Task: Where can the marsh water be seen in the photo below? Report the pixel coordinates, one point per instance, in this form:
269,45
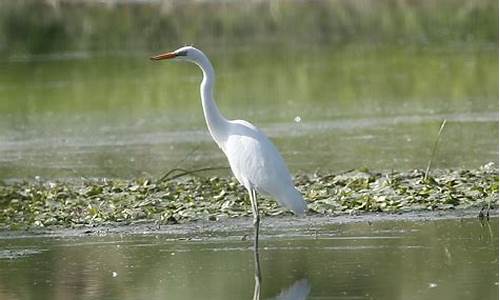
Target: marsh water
433,259
94,115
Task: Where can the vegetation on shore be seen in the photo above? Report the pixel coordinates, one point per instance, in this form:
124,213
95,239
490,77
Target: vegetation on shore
26,205
33,27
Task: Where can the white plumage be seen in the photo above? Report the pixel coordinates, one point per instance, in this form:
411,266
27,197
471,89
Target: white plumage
253,158
257,164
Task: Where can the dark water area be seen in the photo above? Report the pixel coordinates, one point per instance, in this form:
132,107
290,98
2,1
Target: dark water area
433,259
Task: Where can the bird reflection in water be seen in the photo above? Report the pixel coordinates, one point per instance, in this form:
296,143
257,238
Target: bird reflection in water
299,290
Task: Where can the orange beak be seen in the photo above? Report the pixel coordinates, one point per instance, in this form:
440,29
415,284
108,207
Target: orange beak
166,55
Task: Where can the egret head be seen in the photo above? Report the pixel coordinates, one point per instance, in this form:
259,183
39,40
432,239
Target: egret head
187,53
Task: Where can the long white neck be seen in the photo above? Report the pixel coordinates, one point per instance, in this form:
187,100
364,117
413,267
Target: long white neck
216,123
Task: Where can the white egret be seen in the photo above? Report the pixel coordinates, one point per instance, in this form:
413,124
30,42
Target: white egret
253,159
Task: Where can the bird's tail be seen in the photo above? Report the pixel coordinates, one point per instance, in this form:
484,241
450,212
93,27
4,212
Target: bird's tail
293,200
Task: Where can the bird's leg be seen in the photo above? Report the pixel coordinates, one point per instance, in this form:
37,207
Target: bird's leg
256,221
256,217
256,291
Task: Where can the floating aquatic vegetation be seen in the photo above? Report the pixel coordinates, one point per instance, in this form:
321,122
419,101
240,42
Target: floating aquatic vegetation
105,201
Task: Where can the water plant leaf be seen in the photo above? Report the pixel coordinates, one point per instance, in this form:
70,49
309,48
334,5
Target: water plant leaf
189,198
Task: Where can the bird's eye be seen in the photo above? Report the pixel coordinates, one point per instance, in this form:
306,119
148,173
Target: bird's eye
182,53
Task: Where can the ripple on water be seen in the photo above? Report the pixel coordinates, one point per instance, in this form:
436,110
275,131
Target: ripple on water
19,253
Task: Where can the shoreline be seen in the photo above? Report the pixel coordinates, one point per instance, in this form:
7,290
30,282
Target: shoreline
241,227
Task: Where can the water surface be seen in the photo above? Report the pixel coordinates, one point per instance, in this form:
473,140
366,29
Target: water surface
439,259
330,109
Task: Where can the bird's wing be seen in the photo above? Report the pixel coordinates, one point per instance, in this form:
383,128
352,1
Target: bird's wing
258,165
253,156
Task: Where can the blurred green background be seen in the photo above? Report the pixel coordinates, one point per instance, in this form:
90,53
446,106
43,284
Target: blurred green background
336,84
35,27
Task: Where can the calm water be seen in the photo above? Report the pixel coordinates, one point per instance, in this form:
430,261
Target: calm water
97,115
443,259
